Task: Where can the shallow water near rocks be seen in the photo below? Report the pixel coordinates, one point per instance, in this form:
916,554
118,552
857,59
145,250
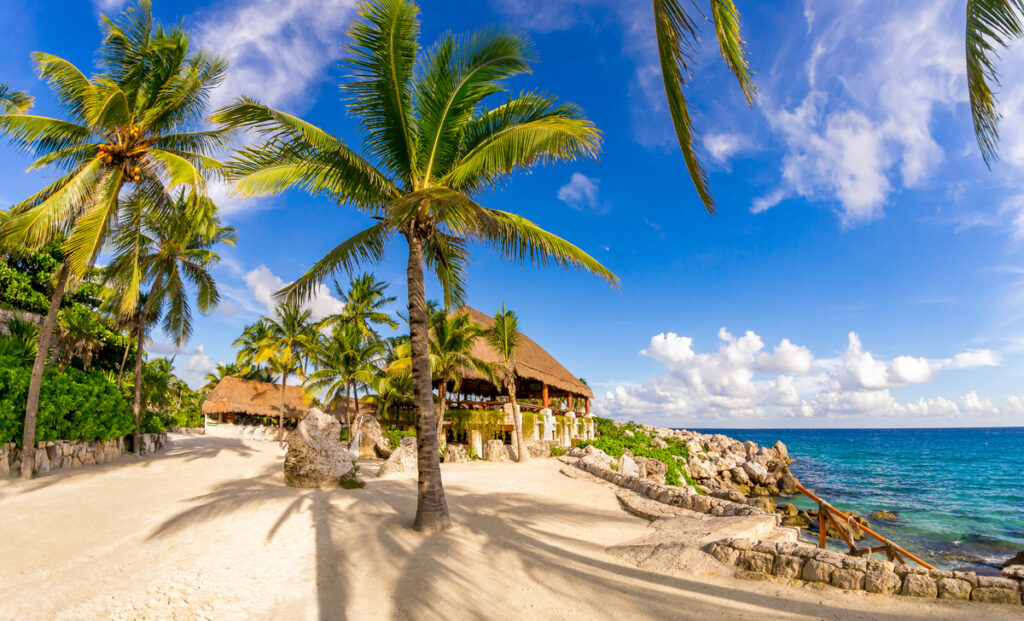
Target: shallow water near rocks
958,493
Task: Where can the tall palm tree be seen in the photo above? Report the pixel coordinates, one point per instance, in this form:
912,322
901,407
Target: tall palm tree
431,145
365,301
504,336
345,360
678,45
12,101
170,246
452,337
991,25
250,344
287,334
133,124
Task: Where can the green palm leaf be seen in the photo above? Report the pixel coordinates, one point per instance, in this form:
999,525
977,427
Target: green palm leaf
991,25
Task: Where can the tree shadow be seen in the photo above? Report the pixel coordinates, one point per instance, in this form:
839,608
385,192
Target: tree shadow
364,535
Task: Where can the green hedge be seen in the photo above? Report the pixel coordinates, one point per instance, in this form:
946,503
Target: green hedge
73,405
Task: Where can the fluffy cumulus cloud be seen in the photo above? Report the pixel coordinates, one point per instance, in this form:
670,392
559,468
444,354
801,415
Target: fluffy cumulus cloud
582,193
723,146
862,125
279,49
262,284
745,382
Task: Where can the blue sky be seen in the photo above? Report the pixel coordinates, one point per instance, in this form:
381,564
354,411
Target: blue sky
865,267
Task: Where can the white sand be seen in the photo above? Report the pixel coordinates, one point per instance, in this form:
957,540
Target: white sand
208,530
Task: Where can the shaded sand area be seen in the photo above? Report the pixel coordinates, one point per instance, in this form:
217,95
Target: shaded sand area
208,530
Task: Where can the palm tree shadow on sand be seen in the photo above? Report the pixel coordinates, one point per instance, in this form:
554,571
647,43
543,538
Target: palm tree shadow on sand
365,535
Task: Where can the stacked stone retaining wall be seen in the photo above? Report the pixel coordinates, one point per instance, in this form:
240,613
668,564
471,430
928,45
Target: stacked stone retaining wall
62,454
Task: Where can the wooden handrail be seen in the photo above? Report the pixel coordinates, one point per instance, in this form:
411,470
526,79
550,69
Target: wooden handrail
827,512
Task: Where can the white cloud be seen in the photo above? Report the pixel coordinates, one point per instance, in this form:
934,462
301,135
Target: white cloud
198,365
279,49
742,382
109,6
263,284
863,127
722,147
582,193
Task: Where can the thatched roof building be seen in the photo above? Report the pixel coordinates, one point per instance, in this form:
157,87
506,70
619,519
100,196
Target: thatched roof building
540,375
240,396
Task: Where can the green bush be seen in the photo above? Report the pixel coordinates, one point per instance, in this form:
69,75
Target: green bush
395,436
73,405
557,451
612,441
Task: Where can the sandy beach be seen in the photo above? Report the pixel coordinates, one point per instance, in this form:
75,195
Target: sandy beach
207,530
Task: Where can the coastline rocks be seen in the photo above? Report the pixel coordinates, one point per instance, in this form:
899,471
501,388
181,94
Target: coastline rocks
919,585
316,455
1017,559
402,461
787,484
882,515
756,471
629,468
700,468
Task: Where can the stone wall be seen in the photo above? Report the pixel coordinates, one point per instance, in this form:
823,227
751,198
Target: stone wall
61,454
799,561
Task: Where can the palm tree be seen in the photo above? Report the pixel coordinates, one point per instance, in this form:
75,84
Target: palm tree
431,146
223,370
678,45
133,124
250,345
452,337
364,302
78,335
345,360
390,389
504,336
167,245
12,101
287,334
991,25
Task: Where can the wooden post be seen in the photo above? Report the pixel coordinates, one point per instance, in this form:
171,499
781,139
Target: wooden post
545,399
586,403
569,403
822,526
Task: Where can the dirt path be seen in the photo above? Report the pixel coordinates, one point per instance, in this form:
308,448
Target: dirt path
207,530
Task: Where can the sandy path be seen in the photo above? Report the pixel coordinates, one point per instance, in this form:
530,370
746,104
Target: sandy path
207,530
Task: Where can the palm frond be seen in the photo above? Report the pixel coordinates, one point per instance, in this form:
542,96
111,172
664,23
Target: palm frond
90,231
676,34
178,170
732,45
991,25
69,84
36,220
380,63
448,258
12,101
42,135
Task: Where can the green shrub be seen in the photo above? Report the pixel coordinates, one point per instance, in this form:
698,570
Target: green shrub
395,436
557,451
615,443
73,405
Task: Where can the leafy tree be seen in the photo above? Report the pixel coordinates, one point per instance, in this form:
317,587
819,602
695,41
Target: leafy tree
169,245
134,124
365,301
991,25
389,391
346,360
504,336
431,145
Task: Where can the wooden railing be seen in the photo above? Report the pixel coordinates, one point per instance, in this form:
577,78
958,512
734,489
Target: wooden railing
842,522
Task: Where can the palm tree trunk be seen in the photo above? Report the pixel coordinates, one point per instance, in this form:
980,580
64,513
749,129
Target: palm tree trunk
442,406
139,355
521,452
431,505
28,438
280,418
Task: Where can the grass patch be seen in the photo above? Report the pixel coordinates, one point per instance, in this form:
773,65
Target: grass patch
557,451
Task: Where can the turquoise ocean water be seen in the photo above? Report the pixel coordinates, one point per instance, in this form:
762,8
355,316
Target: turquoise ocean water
958,493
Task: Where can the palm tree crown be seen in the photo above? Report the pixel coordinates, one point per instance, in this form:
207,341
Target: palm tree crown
12,101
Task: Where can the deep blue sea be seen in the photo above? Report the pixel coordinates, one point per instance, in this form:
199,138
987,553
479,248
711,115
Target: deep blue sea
958,493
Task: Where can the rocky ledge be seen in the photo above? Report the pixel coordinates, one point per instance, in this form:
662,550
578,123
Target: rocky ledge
60,454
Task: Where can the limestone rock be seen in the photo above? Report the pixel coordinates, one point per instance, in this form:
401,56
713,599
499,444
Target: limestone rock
1017,559
882,515
759,562
628,467
787,566
402,461
494,450
627,433
781,450
538,448
882,582
787,484
918,585
316,455
763,503
996,595
372,442
700,468
817,571
951,588
455,454
850,579
1010,571
659,443
756,471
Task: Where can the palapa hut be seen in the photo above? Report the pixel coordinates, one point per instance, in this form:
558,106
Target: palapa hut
240,398
540,376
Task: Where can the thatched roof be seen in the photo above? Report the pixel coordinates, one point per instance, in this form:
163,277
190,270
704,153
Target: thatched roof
533,362
239,396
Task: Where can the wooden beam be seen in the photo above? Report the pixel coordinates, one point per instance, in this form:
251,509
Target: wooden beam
586,403
569,403
545,399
